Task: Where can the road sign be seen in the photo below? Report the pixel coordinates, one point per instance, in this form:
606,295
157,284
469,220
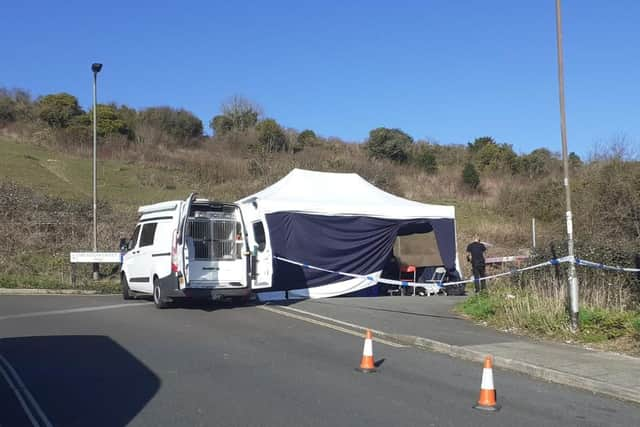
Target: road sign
95,257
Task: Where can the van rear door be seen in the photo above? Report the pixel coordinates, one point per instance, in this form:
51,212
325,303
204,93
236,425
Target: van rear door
181,233
263,262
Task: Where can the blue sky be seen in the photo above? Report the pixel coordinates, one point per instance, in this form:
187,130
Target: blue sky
443,70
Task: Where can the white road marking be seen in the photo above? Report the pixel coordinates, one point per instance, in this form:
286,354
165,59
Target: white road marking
70,310
22,392
331,319
328,325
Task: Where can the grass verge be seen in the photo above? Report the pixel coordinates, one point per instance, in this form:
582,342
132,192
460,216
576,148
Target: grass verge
539,314
43,281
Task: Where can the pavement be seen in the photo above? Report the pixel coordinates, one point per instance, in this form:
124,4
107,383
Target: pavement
88,360
430,323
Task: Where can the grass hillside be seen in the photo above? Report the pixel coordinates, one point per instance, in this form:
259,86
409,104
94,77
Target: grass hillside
58,174
124,184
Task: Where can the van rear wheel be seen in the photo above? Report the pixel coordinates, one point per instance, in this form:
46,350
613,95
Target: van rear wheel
158,296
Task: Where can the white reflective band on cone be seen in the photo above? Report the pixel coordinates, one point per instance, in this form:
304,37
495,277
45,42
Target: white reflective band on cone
487,379
368,348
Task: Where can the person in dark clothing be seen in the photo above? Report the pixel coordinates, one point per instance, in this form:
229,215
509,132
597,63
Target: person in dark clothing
476,251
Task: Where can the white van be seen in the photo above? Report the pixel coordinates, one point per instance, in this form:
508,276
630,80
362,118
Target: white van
193,249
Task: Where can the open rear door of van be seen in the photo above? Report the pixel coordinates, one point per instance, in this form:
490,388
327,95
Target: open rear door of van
262,256
182,230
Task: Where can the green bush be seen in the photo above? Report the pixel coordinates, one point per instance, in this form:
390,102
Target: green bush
15,106
271,137
221,125
7,110
425,159
306,137
58,110
109,122
491,156
238,114
537,163
180,125
574,161
470,176
635,324
391,144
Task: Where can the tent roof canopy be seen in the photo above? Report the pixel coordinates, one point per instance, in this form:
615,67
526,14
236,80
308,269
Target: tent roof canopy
328,193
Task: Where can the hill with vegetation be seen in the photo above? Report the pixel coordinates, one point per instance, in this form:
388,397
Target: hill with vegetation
161,153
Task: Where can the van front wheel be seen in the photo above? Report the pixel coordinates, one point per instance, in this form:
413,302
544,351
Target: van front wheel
158,296
126,292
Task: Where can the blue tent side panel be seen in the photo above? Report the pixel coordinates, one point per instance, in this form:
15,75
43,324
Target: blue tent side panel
351,244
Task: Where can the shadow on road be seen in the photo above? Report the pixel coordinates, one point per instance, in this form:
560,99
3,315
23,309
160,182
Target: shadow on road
81,380
201,304
209,306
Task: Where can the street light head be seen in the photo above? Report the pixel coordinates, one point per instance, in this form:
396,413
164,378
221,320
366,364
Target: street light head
95,67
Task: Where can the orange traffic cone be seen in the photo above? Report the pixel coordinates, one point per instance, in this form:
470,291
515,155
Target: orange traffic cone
367,365
487,400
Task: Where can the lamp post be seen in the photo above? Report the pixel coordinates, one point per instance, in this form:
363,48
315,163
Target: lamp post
95,67
573,279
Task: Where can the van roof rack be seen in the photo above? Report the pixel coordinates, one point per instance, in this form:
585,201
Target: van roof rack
158,207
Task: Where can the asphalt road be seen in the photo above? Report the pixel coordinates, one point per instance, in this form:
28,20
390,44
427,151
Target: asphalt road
408,316
114,364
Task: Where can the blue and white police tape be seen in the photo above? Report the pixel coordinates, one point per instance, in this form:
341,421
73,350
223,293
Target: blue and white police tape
440,284
433,283
514,271
600,266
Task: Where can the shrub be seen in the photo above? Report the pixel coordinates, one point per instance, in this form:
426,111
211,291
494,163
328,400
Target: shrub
15,106
635,324
425,159
7,110
470,176
168,125
271,137
57,110
479,143
491,156
221,125
574,161
109,121
538,163
238,114
163,125
306,137
391,144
